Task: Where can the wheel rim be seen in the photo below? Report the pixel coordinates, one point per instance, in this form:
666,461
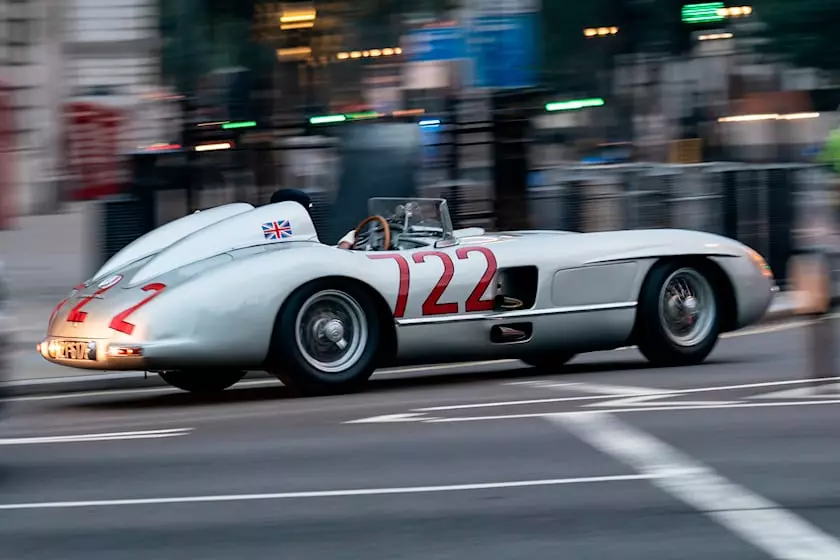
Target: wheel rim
687,307
331,331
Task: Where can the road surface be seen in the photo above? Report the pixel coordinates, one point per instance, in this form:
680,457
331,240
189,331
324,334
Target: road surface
734,459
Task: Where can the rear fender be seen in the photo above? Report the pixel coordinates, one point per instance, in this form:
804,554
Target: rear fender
234,306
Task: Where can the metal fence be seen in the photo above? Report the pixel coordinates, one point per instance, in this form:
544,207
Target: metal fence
772,208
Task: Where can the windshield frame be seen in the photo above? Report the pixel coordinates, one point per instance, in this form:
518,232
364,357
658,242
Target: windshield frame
446,232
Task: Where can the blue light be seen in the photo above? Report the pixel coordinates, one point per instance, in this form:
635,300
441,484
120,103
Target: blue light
430,122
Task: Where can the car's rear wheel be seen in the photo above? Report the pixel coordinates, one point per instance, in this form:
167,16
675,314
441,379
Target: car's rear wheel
202,381
549,361
325,339
678,319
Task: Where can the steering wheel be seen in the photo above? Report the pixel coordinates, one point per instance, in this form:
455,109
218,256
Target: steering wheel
386,229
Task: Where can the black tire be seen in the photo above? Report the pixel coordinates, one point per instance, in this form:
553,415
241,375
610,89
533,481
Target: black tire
652,335
549,361
203,381
295,368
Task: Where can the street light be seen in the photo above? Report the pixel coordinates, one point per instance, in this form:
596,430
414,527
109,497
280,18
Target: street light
372,53
574,104
591,32
735,11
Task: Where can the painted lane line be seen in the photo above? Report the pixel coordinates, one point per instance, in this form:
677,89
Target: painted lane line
617,390
327,493
113,436
581,387
755,519
668,408
644,400
830,391
390,418
595,397
636,396
766,330
507,403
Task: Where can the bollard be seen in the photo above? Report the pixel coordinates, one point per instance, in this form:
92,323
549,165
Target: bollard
812,275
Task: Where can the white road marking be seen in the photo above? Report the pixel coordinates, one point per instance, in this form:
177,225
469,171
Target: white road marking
595,397
639,409
389,418
635,396
113,436
751,331
755,519
619,390
643,400
326,493
829,391
507,403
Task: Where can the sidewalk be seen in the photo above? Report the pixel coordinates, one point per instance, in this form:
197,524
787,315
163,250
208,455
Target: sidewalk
32,375
45,256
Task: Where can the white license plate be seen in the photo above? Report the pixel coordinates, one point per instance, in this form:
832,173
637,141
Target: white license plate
74,350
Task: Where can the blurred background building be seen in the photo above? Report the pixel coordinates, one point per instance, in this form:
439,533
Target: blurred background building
91,81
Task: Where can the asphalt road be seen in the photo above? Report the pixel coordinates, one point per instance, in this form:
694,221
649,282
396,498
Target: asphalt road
734,459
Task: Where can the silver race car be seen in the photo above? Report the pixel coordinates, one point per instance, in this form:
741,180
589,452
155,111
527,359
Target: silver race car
235,288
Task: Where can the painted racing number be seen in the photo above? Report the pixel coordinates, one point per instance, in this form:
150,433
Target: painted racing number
76,314
432,305
119,322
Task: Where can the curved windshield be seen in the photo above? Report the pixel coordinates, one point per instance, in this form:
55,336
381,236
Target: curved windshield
414,216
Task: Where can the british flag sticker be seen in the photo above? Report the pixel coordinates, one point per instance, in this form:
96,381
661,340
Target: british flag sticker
281,229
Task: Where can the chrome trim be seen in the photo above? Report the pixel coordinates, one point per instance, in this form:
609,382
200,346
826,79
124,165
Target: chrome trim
507,315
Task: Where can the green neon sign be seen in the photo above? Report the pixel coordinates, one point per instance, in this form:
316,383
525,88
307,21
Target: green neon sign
702,13
242,124
325,119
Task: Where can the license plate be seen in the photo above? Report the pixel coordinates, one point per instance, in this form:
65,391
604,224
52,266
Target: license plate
75,350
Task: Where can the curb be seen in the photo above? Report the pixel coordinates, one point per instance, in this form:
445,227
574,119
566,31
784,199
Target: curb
105,382
121,381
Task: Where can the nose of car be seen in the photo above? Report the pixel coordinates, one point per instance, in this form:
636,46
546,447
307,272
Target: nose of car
87,313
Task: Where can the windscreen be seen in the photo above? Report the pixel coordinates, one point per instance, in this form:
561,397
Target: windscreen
416,215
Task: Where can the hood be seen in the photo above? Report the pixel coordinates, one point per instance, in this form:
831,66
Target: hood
164,236
279,223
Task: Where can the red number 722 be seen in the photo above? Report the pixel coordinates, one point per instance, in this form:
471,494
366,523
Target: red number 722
432,304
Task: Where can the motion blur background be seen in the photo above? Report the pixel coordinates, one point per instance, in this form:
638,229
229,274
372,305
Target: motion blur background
118,115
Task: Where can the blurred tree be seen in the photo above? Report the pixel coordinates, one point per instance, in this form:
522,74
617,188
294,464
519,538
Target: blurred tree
802,31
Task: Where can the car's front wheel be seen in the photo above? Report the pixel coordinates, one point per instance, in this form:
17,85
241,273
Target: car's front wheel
202,381
678,318
325,339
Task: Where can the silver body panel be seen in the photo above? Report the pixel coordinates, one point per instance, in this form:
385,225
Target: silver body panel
225,284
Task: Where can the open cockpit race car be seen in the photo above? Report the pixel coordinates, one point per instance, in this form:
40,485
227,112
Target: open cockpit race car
236,288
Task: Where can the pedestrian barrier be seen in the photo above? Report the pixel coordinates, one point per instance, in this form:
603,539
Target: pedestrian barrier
771,208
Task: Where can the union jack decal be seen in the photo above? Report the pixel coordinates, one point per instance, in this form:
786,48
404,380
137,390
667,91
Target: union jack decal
280,229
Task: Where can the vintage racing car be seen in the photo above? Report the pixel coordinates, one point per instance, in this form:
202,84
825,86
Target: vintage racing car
236,288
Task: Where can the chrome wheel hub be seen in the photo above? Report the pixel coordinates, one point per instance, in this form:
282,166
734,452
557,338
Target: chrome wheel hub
331,331
687,307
